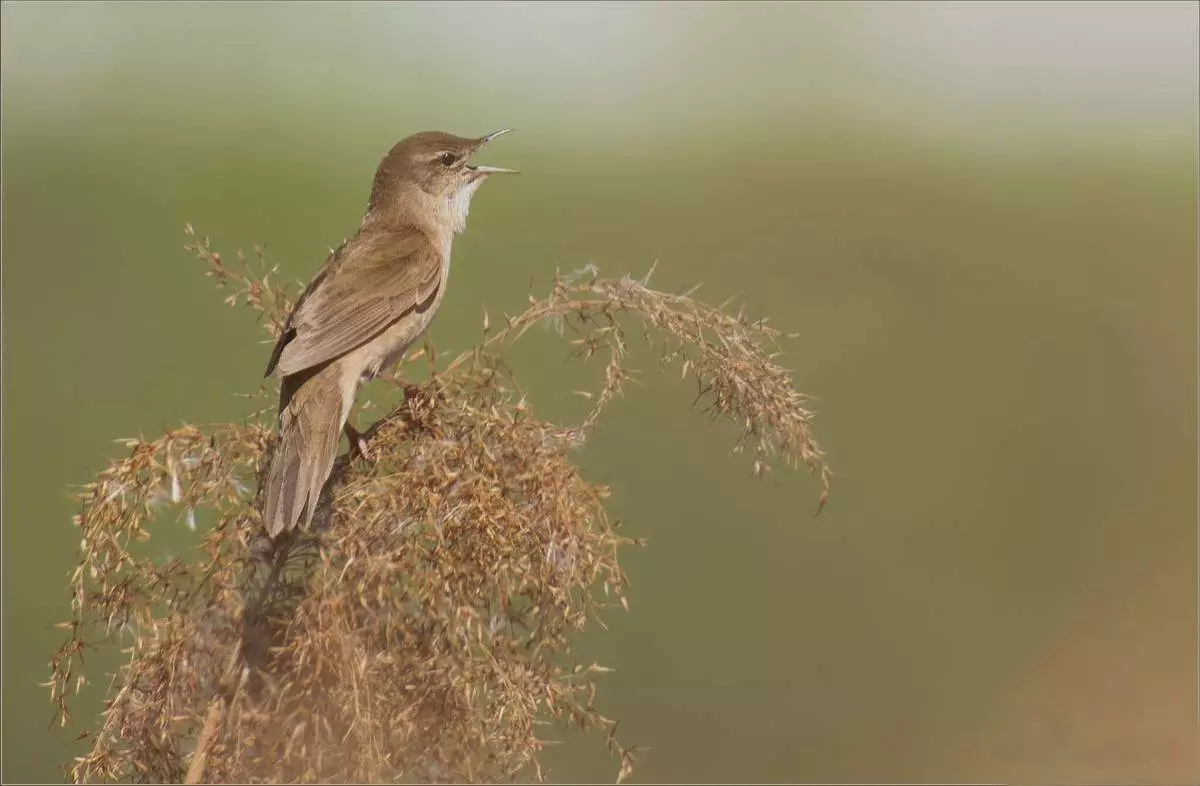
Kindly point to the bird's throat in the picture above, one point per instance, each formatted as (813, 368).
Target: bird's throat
(459, 204)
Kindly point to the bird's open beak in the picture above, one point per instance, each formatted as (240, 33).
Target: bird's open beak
(492, 170)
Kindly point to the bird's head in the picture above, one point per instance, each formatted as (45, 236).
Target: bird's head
(434, 164)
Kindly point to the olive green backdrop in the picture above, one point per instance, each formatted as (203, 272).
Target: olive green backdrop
(980, 220)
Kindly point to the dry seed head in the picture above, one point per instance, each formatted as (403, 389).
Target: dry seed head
(422, 630)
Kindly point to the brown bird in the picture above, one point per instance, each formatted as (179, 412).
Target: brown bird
(374, 296)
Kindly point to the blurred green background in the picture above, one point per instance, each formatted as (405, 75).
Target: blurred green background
(980, 219)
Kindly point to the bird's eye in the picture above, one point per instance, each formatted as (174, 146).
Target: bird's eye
(447, 158)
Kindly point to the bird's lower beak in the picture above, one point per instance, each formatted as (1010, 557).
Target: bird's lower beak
(492, 170)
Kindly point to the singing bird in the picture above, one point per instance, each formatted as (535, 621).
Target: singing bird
(374, 296)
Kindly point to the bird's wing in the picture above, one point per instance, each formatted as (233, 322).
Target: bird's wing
(363, 288)
(288, 333)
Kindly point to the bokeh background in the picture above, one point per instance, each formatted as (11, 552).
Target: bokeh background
(979, 218)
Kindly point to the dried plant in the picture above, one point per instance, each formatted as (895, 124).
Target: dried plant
(421, 630)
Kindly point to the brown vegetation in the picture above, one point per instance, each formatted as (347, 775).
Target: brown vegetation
(421, 630)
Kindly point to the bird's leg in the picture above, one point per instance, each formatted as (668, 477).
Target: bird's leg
(412, 393)
(358, 442)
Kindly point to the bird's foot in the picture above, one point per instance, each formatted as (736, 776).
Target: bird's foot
(358, 444)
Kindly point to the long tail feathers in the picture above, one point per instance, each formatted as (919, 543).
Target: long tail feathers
(310, 427)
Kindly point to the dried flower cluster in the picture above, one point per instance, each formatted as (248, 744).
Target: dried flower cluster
(422, 630)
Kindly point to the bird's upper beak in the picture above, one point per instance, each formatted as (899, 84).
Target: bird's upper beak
(491, 170)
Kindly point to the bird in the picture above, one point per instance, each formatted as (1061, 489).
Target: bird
(374, 296)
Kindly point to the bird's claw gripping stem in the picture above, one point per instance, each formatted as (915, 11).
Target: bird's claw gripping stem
(358, 444)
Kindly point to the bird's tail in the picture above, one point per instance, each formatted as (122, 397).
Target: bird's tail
(311, 416)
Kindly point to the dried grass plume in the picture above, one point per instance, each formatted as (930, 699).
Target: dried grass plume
(421, 631)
